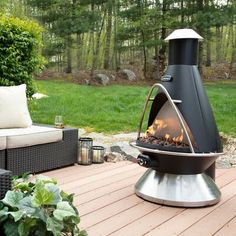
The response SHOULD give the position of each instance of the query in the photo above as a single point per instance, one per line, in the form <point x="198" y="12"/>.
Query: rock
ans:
<point x="114" y="157"/>
<point x="227" y="160"/>
<point x="128" y="74"/>
<point x="234" y="66"/>
<point x="117" y="149"/>
<point x="39" y="96"/>
<point x="87" y="82"/>
<point x="102" y="79"/>
<point x="112" y="77"/>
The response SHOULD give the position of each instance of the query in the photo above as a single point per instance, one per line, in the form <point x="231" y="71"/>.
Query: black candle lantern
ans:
<point x="98" y="154"/>
<point x="85" y="151"/>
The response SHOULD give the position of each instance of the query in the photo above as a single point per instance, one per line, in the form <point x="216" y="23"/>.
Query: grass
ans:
<point x="103" y="109"/>
<point x="222" y="96"/>
<point x="118" y="108"/>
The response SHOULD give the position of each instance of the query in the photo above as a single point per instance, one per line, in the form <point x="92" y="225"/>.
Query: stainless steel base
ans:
<point x="178" y="190"/>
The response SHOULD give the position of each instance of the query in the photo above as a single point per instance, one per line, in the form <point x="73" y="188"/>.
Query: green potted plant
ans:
<point x="36" y="207"/>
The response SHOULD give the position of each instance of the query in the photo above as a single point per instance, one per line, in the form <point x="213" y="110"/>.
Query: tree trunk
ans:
<point x="108" y="36"/>
<point x="162" y="51"/>
<point x="182" y="14"/>
<point x="200" y="31"/>
<point x="228" y="43"/>
<point x="96" y="51"/>
<point x="116" y="61"/>
<point x="78" y="54"/>
<point x="233" y="52"/>
<point x="144" y="56"/>
<point x="208" y="47"/>
<point x="68" y="53"/>
<point x="218" y="45"/>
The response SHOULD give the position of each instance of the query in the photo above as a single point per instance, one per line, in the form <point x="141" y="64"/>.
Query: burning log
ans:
<point x="162" y="141"/>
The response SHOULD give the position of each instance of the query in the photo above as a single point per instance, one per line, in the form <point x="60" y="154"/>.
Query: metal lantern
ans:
<point x="98" y="154"/>
<point x="85" y="151"/>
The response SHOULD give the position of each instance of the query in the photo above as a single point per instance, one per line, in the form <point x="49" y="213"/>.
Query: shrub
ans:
<point x="19" y="52"/>
<point x="37" y="207"/>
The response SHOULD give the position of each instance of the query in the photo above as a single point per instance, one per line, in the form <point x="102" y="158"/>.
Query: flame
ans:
<point x="180" y="138"/>
<point x="160" y="124"/>
<point x="167" y="136"/>
<point x="157" y="125"/>
<point x="149" y="132"/>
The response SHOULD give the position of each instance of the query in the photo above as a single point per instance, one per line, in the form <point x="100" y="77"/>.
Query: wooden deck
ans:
<point x="104" y="195"/>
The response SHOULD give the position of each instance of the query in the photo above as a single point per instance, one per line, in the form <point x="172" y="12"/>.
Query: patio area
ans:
<point x="104" y="196"/>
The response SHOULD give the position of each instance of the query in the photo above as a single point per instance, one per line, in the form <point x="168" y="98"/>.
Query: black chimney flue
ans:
<point x="183" y="52"/>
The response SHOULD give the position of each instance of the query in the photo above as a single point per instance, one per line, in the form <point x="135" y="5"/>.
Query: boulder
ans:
<point x="128" y="74"/>
<point x="102" y="79"/>
<point x="112" y="77"/>
<point x="86" y="82"/>
<point x="114" y="157"/>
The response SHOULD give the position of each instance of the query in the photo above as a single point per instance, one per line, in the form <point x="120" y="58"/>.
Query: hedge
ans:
<point x="20" y="41"/>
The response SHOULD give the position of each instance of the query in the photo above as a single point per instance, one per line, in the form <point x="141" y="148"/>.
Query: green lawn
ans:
<point x="118" y="108"/>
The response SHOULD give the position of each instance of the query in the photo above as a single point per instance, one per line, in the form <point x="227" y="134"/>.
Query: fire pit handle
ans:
<point x="147" y="161"/>
<point x="173" y="106"/>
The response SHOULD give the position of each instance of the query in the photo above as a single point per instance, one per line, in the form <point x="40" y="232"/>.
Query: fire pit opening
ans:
<point x="165" y="131"/>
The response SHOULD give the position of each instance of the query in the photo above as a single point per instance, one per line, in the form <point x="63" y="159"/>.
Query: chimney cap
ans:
<point x="184" y="34"/>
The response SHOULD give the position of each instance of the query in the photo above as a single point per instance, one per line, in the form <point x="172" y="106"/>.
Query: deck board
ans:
<point x="104" y="196"/>
<point x="228" y="229"/>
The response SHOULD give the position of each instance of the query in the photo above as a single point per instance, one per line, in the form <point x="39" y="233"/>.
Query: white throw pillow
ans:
<point x="14" y="111"/>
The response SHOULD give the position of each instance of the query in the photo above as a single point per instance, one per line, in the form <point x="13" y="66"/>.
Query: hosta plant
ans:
<point x="36" y="207"/>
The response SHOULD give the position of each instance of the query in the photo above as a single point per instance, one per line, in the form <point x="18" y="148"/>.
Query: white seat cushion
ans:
<point x="3" y="142"/>
<point x="34" y="135"/>
<point x="13" y="107"/>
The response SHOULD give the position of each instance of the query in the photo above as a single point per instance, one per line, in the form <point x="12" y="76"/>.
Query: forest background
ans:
<point x="86" y="36"/>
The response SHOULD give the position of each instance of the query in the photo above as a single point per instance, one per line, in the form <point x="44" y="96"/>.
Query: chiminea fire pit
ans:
<point x="182" y="142"/>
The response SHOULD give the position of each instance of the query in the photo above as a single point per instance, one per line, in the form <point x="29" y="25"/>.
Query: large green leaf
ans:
<point x="22" y="187"/>
<point x="25" y="205"/>
<point x="56" y="192"/>
<point x="42" y="196"/>
<point x="3" y="211"/>
<point x="25" y="226"/>
<point x="46" y="194"/>
<point x="63" y="210"/>
<point x="46" y="179"/>
<point x="55" y="226"/>
<point x="12" y="198"/>
<point x="83" y="233"/>
<point x="41" y="214"/>
<point x="17" y="215"/>
<point x="10" y="228"/>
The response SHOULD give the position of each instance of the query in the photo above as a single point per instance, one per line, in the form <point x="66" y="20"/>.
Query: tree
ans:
<point x="115" y="33"/>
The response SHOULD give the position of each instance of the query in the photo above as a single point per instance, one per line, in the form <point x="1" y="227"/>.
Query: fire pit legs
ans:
<point x="195" y="190"/>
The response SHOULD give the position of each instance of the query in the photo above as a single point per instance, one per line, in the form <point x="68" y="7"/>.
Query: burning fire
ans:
<point x="157" y="126"/>
<point x="167" y="136"/>
<point x="180" y="138"/>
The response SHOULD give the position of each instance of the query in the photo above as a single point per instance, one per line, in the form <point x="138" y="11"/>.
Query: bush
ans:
<point x="19" y="52"/>
<point x="36" y="206"/>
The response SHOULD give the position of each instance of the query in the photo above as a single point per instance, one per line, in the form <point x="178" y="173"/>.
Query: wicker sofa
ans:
<point x="42" y="157"/>
<point x="5" y="182"/>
